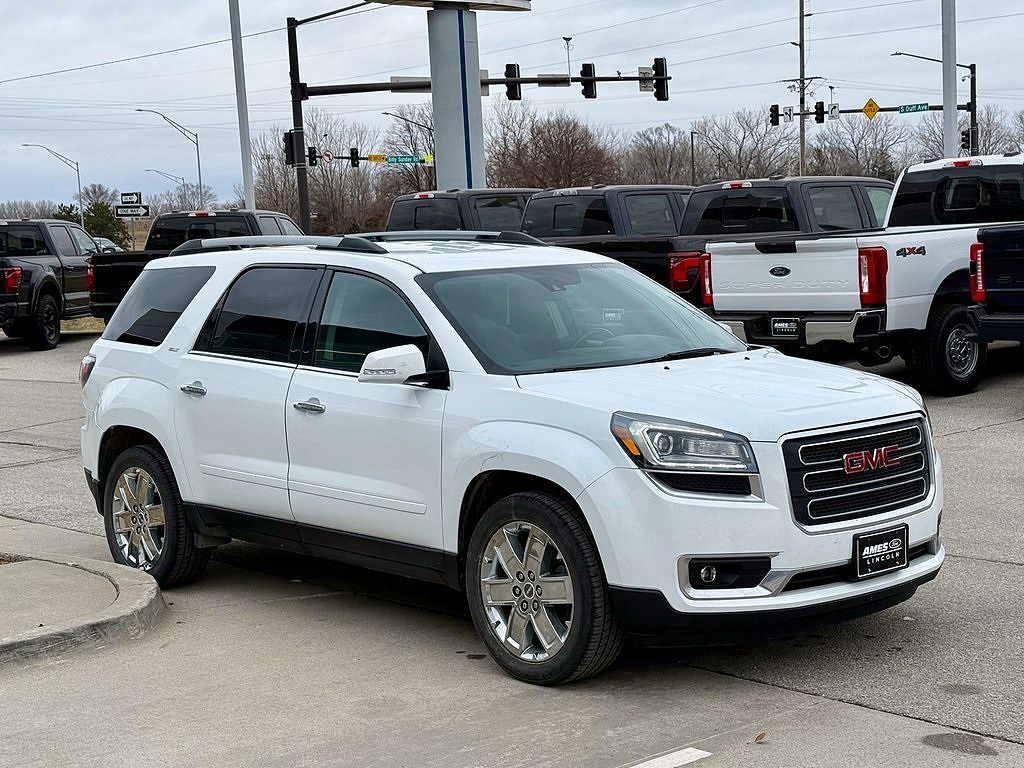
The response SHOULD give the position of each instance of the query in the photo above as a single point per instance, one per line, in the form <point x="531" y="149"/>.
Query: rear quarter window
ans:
<point x="500" y="213"/>
<point x="154" y="303"/>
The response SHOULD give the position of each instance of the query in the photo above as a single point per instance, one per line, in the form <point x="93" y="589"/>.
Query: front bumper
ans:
<point x="863" y="327"/>
<point x="997" y="327"/>
<point x="647" y="535"/>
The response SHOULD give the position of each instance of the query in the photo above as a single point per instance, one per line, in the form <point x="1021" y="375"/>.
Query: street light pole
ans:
<point x="191" y="136"/>
<point x="78" y="175"/>
<point x="242" y="103"/>
<point x="973" y="69"/>
<point x="693" y="158"/>
<point x="407" y="120"/>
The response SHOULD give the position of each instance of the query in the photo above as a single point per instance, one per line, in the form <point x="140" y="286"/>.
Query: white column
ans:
<point x="950" y="139"/>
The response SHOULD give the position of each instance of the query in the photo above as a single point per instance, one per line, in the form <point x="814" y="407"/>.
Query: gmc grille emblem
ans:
<point x="862" y="461"/>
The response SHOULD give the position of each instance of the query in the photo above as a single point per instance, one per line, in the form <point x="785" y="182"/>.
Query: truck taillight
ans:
<point x="90" y="278"/>
<point x="874" y="266"/>
<point x="978" y="273"/>
<point x="683" y="270"/>
<point x="705" y="280"/>
<point x="11" y="280"/>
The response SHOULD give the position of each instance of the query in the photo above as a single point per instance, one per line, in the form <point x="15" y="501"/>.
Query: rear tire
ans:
<point x="43" y="330"/>
<point x="570" y="632"/>
<point x="145" y="519"/>
<point x="946" y="361"/>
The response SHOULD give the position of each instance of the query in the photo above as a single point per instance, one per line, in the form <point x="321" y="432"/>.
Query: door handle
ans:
<point x="195" y="388"/>
<point x="310" y="406"/>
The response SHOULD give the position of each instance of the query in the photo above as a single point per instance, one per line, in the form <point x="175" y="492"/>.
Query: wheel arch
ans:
<point x="115" y="441"/>
<point x="955" y="288"/>
<point x="48" y="285"/>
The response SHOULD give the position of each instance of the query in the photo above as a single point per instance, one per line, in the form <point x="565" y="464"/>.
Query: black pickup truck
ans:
<point x="475" y="210"/>
<point x="997" y="283"/>
<point x="43" y="267"/>
<point x="637" y="225"/>
<point x="112" y="274"/>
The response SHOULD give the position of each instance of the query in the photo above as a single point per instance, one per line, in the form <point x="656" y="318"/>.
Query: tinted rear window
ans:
<point x="502" y="213"/>
<point x="736" y="211"/>
<point x="972" y="195"/>
<point x="433" y="213"/>
<point x="154" y="303"/>
<point x="21" y="240"/>
<point x="169" y="233"/>
<point x="651" y="214"/>
<point x="568" y="216"/>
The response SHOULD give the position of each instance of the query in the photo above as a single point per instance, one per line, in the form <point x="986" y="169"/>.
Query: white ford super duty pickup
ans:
<point x="901" y="290"/>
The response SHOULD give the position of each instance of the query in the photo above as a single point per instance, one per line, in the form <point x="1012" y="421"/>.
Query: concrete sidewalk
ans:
<point x="263" y="668"/>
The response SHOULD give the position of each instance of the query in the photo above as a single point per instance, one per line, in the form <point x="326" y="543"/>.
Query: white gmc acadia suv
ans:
<point x="588" y="456"/>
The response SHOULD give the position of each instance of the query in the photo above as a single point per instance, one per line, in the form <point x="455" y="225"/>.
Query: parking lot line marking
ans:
<point x="675" y="759"/>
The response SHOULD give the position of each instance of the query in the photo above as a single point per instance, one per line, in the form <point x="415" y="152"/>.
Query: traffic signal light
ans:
<point x="353" y="157"/>
<point x="312" y="157"/>
<point x="965" y="140"/>
<point x="587" y="74"/>
<point x="773" y="114"/>
<point x="289" y="147"/>
<point x="819" y="112"/>
<point x="661" y="79"/>
<point x="513" y="90"/>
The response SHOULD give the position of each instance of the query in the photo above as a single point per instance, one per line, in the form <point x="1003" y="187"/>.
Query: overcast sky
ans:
<point x="723" y="55"/>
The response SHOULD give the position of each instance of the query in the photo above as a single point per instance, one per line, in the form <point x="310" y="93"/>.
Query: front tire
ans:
<point x="145" y="521"/>
<point x="537" y="592"/>
<point x="947" y="361"/>
<point x="43" y="331"/>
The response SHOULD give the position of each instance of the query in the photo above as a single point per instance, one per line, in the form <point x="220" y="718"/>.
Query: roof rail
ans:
<point x="338" y="243"/>
<point x="461" y="235"/>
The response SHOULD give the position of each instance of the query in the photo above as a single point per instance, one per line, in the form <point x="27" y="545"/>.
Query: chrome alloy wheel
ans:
<point x="527" y="591"/>
<point x="961" y="352"/>
<point x="138" y="518"/>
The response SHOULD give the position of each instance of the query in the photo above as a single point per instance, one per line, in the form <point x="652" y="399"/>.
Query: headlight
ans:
<point x="664" y="444"/>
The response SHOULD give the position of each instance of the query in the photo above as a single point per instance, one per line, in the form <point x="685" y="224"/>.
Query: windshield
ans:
<point x="567" y="317"/>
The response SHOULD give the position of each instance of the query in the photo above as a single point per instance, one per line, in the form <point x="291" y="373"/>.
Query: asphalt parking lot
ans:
<point x="272" y="659"/>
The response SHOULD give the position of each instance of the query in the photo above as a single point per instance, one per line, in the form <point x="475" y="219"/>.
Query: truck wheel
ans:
<point x="537" y="592"/>
<point x="144" y="518"/>
<point x="43" y="331"/>
<point x="948" y="361"/>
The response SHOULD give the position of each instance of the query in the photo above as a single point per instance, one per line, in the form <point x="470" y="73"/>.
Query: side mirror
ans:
<point x="395" y="365"/>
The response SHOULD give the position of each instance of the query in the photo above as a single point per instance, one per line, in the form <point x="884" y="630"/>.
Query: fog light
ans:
<point x="708" y="574"/>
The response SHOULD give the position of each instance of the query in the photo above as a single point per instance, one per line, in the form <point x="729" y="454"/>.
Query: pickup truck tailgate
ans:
<point x="1004" y="267"/>
<point x="818" y="275"/>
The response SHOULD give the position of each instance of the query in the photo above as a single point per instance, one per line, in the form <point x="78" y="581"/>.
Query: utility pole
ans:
<point x="951" y="146"/>
<point x="242" y="102"/>
<point x="693" y="158"/>
<point x="803" y="89"/>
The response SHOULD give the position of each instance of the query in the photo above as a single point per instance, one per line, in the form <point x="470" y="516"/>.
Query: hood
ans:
<point x="761" y="394"/>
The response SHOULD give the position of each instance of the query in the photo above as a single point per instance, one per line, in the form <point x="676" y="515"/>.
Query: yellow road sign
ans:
<point x="870" y="109"/>
<point x="377" y="158"/>
<point x="428" y="158"/>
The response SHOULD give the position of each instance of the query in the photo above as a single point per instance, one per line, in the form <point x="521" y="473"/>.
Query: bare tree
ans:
<point x="998" y="132"/>
<point x="855" y="146"/>
<point x="658" y="155"/>
<point x="98" y="193"/>
<point x="27" y="209"/>
<point x="411" y="133"/>
<point x="746" y="145"/>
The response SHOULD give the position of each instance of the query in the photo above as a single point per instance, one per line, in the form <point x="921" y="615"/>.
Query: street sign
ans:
<point x="788" y="114"/>
<point x="131" y="198"/>
<point x="647" y="79"/>
<point x="377" y="158"/>
<point x="404" y="160"/>
<point x="833" y="111"/>
<point x="131" y="211"/>
<point x="328" y="157"/>
<point x="907" y="109"/>
<point x="870" y="109"/>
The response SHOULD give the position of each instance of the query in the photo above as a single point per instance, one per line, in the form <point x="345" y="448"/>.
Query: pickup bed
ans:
<point x="43" y="267"/>
<point x="997" y="283"/>
<point x="112" y="274"/>
<point x="902" y="290"/>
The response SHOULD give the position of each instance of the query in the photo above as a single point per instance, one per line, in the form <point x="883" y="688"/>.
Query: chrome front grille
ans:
<point x="858" y="472"/>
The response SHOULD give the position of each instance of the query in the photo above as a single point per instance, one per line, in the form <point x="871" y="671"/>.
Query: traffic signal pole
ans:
<point x="803" y="91"/>
<point x="301" y="172"/>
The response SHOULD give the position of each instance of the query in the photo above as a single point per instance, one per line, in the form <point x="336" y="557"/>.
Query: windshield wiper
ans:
<point x="689" y="354"/>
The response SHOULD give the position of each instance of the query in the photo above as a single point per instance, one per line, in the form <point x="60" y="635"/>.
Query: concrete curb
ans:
<point x="138" y="607"/>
